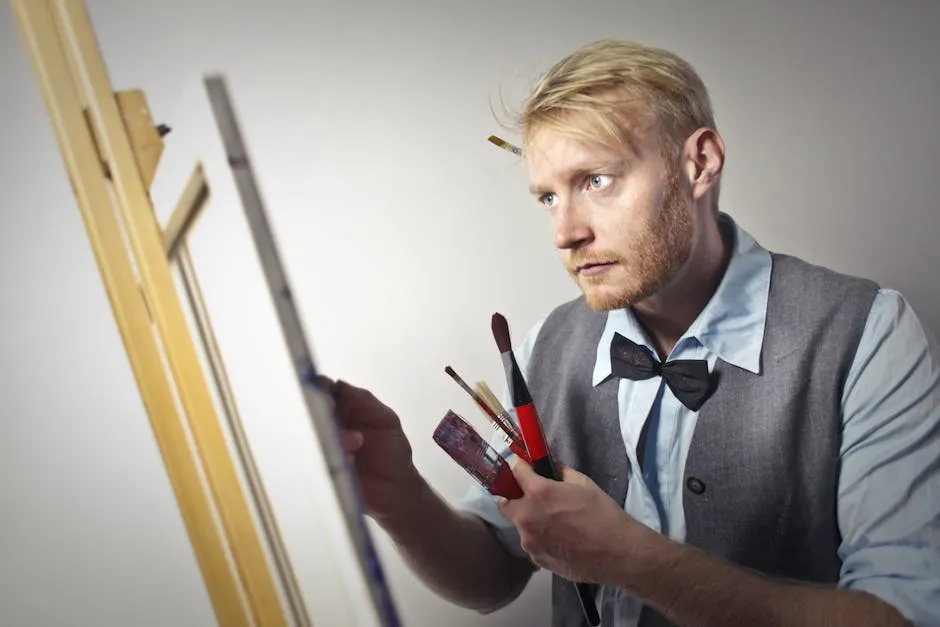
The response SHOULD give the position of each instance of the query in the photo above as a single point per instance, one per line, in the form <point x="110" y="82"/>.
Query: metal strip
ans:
<point x="343" y="481"/>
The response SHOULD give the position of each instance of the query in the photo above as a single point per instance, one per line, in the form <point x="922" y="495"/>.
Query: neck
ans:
<point x="669" y="314"/>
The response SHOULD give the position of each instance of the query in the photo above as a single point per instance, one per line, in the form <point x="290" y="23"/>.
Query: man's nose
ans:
<point x="571" y="224"/>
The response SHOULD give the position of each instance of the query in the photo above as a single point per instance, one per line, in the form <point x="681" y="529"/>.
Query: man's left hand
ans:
<point x="570" y="527"/>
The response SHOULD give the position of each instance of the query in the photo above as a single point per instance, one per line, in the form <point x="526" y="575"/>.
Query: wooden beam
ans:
<point x="190" y="203"/>
<point x="87" y="177"/>
<point x="146" y="243"/>
<point x="145" y="137"/>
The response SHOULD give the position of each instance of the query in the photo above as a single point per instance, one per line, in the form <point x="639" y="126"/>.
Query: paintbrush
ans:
<point x="528" y="417"/>
<point x="505" y="145"/>
<point x="474" y="455"/>
<point x="481" y="388"/>
<point x="516" y="444"/>
<point x="532" y="434"/>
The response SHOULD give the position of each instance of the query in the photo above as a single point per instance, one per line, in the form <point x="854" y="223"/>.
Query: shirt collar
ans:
<point x="732" y="323"/>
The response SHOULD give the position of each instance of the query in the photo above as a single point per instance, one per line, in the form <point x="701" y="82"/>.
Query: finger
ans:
<point x="352" y="440"/>
<point x="349" y="402"/>
<point x="361" y="406"/>
<point x="570" y="475"/>
<point x="327" y="384"/>
<point x="526" y="477"/>
<point x="503" y="505"/>
<point x="565" y="472"/>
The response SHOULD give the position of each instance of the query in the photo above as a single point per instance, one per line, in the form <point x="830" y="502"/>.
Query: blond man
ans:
<point x="746" y="439"/>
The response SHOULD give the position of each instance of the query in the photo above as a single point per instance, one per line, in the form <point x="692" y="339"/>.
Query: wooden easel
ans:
<point x="111" y="147"/>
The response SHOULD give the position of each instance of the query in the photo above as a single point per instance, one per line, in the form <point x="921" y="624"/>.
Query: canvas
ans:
<point x="227" y="267"/>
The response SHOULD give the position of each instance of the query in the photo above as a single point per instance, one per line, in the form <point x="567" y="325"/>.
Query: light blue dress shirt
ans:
<point x="889" y="486"/>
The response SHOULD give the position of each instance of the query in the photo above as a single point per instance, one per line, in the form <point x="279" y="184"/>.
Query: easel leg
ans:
<point x="101" y="146"/>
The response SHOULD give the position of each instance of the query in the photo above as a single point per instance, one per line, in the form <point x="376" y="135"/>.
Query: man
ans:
<point x="796" y="483"/>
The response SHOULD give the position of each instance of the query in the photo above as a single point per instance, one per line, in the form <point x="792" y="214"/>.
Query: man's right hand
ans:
<point x="453" y="552"/>
<point x="374" y="438"/>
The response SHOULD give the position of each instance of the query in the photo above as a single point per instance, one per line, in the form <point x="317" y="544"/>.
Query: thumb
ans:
<point x="524" y="473"/>
<point x="570" y="475"/>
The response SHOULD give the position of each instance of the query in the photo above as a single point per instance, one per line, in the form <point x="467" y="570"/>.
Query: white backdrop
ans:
<point x="404" y="230"/>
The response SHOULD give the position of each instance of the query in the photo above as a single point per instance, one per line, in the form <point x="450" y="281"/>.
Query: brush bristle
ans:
<point x="501" y="333"/>
<point x="481" y="388"/>
<point x="456" y="377"/>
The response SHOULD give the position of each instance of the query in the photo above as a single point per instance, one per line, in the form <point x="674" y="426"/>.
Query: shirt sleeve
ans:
<point x="477" y="500"/>
<point x="889" y="486"/>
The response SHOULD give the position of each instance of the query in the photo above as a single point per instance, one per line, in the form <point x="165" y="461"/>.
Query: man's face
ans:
<point x="620" y="218"/>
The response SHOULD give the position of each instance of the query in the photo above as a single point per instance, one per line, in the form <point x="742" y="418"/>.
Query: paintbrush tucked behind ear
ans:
<point x="505" y="145"/>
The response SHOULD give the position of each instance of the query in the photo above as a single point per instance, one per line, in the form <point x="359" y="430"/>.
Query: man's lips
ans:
<point x="594" y="267"/>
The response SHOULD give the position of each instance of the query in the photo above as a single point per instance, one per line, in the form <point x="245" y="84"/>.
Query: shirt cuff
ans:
<point x="482" y="504"/>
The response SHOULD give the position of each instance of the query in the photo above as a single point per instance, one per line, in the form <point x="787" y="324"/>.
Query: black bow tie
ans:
<point x="687" y="378"/>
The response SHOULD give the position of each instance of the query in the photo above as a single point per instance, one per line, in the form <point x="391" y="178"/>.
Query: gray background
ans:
<point x="404" y="230"/>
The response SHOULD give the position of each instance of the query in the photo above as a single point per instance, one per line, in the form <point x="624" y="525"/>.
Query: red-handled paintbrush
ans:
<point x="532" y="434"/>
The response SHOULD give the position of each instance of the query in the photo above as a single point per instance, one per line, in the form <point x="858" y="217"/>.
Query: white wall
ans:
<point x="404" y="230"/>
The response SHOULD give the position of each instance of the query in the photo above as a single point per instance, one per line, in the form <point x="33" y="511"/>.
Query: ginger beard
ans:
<point x="655" y="253"/>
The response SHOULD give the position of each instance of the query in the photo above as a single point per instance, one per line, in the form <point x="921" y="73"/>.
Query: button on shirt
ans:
<point x="888" y="498"/>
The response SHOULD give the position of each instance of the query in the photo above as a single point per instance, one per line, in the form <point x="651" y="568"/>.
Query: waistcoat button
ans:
<point x="695" y="485"/>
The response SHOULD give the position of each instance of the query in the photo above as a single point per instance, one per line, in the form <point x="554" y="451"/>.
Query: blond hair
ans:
<point x="604" y="88"/>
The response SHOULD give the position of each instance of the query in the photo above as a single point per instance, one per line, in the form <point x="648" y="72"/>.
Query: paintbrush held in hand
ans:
<point x="481" y="388"/>
<point x="532" y="434"/>
<point x="502" y="421"/>
<point x="465" y="446"/>
<point x="529" y="424"/>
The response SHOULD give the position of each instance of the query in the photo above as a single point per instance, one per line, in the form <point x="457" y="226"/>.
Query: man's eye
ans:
<point x="548" y="199"/>
<point x="598" y="181"/>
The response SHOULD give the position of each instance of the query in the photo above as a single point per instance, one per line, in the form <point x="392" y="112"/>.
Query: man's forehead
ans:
<point x="552" y="155"/>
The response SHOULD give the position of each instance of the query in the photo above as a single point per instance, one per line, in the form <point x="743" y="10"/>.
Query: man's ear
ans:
<point x="704" y="158"/>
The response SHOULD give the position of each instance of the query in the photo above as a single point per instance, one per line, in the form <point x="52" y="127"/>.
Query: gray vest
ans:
<point x="765" y="447"/>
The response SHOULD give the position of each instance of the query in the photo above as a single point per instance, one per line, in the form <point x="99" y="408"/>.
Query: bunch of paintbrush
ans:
<point x="492" y="409"/>
<point x="481" y="461"/>
<point x="473" y="453"/>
